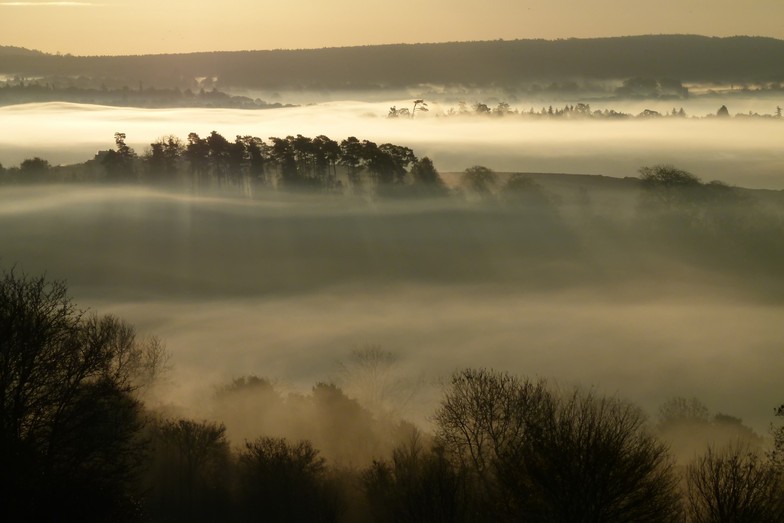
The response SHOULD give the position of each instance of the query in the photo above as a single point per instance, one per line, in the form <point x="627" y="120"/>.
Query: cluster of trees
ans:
<point x="78" y="443"/>
<point x="673" y="199"/>
<point x="580" y="110"/>
<point x="517" y="190"/>
<point x="293" y="162"/>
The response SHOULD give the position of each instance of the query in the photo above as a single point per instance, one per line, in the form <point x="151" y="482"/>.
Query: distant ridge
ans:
<point x="693" y="58"/>
<point x="10" y="50"/>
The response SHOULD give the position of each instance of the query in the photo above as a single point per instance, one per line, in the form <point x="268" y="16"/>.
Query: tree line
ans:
<point x="215" y="162"/>
<point x="578" y="111"/>
<point x="78" y="442"/>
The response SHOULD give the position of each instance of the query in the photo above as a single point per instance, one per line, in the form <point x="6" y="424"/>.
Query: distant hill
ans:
<point x="687" y="58"/>
<point x="10" y="50"/>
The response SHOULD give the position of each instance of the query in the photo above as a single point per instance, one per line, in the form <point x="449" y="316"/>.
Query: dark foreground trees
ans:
<point x="419" y="485"/>
<point x="188" y="471"/>
<point x="285" y="482"/>
<point x="538" y="455"/>
<point x="69" y="419"/>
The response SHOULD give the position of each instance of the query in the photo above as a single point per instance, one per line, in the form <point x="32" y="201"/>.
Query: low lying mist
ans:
<point x="592" y="291"/>
<point x="741" y="152"/>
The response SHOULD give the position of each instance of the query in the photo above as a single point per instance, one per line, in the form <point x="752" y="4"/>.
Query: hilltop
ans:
<point x="688" y="58"/>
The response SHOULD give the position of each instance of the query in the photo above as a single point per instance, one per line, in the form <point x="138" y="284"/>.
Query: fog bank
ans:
<point x="285" y="287"/>
<point x="741" y="152"/>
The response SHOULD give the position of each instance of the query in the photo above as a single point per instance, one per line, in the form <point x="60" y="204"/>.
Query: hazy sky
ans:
<point x="154" y="26"/>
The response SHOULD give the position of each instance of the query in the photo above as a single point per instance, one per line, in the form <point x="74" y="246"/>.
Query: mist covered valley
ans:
<point x="589" y="288"/>
<point x="742" y="152"/>
<point x="586" y="287"/>
<point x="316" y="322"/>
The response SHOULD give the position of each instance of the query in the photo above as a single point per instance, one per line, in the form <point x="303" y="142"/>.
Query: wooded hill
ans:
<point x="688" y="58"/>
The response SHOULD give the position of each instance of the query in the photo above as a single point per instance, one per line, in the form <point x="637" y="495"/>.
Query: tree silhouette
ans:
<point x="218" y="147"/>
<point x="419" y="484"/>
<point x="258" y="155"/>
<point x="351" y="155"/>
<point x="281" y="482"/>
<point x="68" y="415"/>
<point x="427" y="181"/>
<point x="164" y="156"/>
<point x="119" y="162"/>
<point x="522" y="191"/>
<point x="197" y="153"/>
<point x="479" y="180"/>
<point x="34" y="169"/>
<point x="734" y="484"/>
<point x="189" y="470"/>
<point x="542" y="456"/>
<point x="283" y="154"/>
<point x="419" y="104"/>
<point x="667" y="186"/>
<point x="327" y="155"/>
<point x="679" y="410"/>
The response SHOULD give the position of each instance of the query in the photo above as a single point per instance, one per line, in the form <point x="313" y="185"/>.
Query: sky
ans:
<point x="153" y="26"/>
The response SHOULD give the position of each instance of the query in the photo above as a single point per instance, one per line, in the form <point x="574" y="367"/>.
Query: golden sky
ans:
<point x="158" y="26"/>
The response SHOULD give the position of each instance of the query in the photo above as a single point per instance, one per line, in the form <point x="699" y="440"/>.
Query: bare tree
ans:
<point x="371" y="375"/>
<point x="281" y="481"/>
<point x="734" y="484"/>
<point x="419" y="484"/>
<point x="69" y="413"/>
<point x="595" y="460"/>
<point x="542" y="456"/>
<point x="188" y="470"/>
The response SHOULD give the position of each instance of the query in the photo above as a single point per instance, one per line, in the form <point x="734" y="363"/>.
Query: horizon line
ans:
<point x="443" y="42"/>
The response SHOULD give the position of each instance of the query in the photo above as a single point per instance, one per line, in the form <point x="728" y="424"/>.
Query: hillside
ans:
<point x="686" y="58"/>
<point x="10" y="50"/>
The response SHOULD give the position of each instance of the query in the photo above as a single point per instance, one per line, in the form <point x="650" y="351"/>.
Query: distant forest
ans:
<point x="687" y="58"/>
